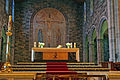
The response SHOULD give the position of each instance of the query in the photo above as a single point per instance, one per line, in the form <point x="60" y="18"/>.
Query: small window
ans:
<point x="85" y="12"/>
<point x="7" y="6"/>
<point x="13" y="5"/>
<point x="91" y="7"/>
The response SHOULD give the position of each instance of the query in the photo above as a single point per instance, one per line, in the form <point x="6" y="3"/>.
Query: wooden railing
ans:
<point x="71" y="77"/>
<point x="112" y="66"/>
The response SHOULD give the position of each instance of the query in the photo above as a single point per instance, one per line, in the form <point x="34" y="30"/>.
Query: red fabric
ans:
<point x="61" y="72"/>
<point x="58" y="68"/>
<point x="60" y="63"/>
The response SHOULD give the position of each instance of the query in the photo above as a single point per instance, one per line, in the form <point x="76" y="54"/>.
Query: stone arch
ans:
<point x="93" y="45"/>
<point x="104" y="39"/>
<point x="86" y="49"/>
<point x="3" y="43"/>
<point x="100" y="24"/>
<point x="47" y="39"/>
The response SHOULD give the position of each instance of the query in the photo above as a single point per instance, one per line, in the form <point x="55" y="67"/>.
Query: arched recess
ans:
<point x="104" y="40"/>
<point x="87" y="49"/>
<point x="3" y="44"/>
<point x="49" y="24"/>
<point x="94" y="43"/>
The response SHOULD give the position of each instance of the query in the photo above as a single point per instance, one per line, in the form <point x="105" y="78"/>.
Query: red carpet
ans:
<point x="58" y="68"/>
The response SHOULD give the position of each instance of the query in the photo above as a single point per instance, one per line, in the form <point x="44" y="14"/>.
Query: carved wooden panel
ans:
<point x="55" y="56"/>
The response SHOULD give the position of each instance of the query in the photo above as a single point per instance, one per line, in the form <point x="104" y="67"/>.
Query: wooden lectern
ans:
<point x="55" y="53"/>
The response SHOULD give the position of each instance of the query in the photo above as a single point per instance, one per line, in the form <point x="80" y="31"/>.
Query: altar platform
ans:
<point x="55" y="54"/>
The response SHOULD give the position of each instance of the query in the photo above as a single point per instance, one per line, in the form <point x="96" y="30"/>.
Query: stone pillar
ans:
<point x="117" y="28"/>
<point x="111" y="30"/>
<point x="84" y="54"/>
<point x="91" y="49"/>
<point x="100" y="56"/>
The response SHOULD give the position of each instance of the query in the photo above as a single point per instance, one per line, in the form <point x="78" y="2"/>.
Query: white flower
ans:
<point x="68" y="44"/>
<point x="42" y="44"/>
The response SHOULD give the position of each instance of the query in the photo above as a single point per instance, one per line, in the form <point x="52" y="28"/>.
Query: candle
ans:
<point x="71" y="45"/>
<point x="35" y="44"/>
<point x="10" y="20"/>
<point x="39" y="44"/>
<point x="74" y="45"/>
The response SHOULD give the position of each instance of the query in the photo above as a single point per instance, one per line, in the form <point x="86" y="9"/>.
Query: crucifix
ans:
<point x="48" y="18"/>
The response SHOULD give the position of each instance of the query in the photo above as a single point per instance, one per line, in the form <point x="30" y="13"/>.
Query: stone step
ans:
<point x="80" y="66"/>
<point x="70" y="69"/>
<point x="43" y="63"/>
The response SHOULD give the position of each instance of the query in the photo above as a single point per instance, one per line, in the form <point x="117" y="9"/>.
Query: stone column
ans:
<point x="84" y="54"/>
<point x="91" y="49"/>
<point x="111" y="30"/>
<point x="117" y="28"/>
<point x="100" y="56"/>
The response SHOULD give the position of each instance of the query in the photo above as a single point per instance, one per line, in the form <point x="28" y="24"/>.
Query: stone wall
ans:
<point x="3" y="23"/>
<point x="93" y="21"/>
<point x="24" y="12"/>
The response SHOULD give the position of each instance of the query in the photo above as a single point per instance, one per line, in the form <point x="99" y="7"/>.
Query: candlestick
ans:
<point x="74" y="45"/>
<point x="35" y="44"/>
<point x="10" y="22"/>
<point x="71" y="45"/>
<point x="39" y="44"/>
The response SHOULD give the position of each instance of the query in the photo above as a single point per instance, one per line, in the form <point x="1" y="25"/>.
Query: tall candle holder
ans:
<point x="7" y="66"/>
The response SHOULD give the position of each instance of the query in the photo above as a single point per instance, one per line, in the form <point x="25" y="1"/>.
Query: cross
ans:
<point x="49" y="21"/>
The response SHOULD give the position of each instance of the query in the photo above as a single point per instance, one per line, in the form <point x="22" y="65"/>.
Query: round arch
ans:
<point x="93" y="44"/>
<point x="48" y="20"/>
<point x="103" y="36"/>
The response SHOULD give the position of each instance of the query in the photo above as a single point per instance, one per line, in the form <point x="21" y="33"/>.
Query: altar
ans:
<point x="55" y="53"/>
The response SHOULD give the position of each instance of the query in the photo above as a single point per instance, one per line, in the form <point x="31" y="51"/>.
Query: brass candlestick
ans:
<point x="74" y="45"/>
<point x="71" y="45"/>
<point x="7" y="66"/>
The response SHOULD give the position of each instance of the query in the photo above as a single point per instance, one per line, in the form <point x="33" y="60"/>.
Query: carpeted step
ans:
<point x="61" y="66"/>
<point x="43" y="63"/>
<point x="61" y="72"/>
<point x="57" y="66"/>
<point x="57" y="69"/>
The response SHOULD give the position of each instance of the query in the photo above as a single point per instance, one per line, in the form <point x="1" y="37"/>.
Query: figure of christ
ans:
<point x="49" y="21"/>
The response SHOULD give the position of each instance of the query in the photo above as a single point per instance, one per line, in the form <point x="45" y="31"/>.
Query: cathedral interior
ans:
<point x="59" y="40"/>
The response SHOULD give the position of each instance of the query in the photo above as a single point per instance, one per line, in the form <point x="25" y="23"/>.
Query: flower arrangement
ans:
<point x="68" y="45"/>
<point x="41" y="45"/>
<point x="59" y="46"/>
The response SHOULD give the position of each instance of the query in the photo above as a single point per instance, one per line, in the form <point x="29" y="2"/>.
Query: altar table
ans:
<point x="57" y="53"/>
